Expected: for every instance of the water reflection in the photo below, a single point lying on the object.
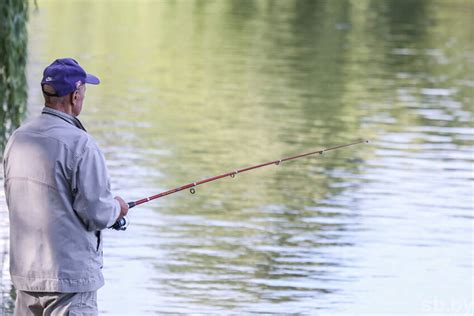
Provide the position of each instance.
(191, 89)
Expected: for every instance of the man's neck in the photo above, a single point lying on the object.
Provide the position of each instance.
(65, 108)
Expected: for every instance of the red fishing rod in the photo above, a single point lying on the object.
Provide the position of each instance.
(122, 223)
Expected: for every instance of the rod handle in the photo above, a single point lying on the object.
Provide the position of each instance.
(122, 223)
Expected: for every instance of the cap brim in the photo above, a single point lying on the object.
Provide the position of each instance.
(92, 79)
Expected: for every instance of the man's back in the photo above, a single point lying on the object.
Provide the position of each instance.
(59, 198)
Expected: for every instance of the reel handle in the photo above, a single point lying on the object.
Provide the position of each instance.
(121, 224)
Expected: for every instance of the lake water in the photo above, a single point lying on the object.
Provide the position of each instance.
(191, 89)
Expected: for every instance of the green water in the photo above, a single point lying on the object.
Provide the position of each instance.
(191, 89)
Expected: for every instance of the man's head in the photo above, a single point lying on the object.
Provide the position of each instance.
(63, 85)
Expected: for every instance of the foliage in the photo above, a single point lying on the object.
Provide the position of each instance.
(13, 58)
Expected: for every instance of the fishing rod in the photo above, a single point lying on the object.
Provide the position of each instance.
(122, 223)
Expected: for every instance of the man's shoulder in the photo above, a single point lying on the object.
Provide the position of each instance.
(77, 139)
(57, 130)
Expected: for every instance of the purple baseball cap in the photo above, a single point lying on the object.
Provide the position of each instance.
(65, 76)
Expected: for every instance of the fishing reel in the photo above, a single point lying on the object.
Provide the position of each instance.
(121, 224)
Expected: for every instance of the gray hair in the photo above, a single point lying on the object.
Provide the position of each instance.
(49, 98)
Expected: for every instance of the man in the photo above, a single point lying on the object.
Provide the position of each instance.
(59, 199)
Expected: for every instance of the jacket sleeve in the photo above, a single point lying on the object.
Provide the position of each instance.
(93, 201)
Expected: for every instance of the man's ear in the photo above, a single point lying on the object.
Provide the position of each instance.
(74, 97)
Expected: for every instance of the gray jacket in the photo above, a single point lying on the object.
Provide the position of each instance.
(59, 199)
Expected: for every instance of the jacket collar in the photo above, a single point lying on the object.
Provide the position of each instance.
(64, 116)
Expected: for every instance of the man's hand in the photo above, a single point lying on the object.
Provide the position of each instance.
(123, 207)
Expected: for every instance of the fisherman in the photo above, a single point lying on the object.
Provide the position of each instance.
(59, 199)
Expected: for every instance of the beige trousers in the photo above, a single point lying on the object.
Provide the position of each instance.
(56, 304)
